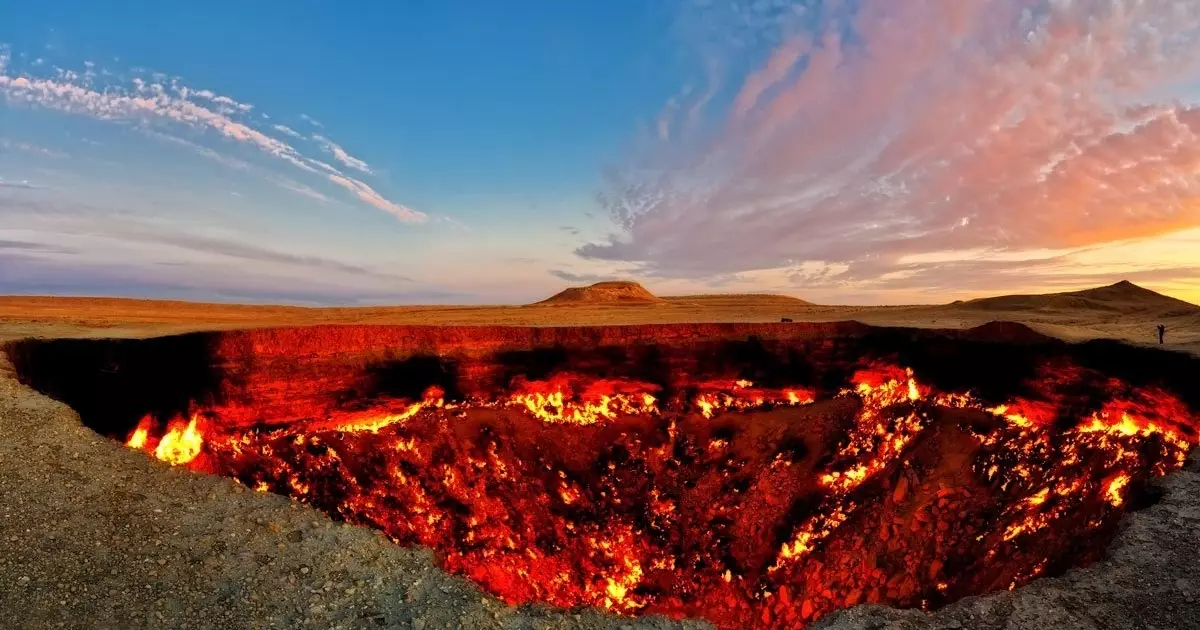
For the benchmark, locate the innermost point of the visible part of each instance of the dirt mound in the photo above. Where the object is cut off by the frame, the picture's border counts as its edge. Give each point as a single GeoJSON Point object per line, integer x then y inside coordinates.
{"type": "Point", "coordinates": [1122, 297]}
{"type": "Point", "coordinates": [1010, 332]}
{"type": "Point", "coordinates": [618, 292]}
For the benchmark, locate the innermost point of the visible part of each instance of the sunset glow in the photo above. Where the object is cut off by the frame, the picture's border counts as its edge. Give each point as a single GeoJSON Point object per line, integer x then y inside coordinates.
{"type": "Point", "coordinates": [843, 152]}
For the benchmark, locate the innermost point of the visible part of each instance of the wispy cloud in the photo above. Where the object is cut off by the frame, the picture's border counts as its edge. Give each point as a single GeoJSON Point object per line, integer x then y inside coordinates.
{"type": "Point", "coordinates": [287, 130]}
{"type": "Point", "coordinates": [23, 184]}
{"type": "Point", "coordinates": [253, 253]}
{"type": "Point", "coordinates": [33, 275]}
{"type": "Point", "coordinates": [26, 246]}
{"type": "Point", "coordinates": [241, 165]}
{"type": "Point", "coordinates": [310, 120]}
{"type": "Point", "coordinates": [582, 278]}
{"type": "Point", "coordinates": [165, 243]}
{"type": "Point", "coordinates": [340, 154]}
{"type": "Point", "coordinates": [175, 104]}
{"type": "Point", "coordinates": [16, 145]}
{"type": "Point", "coordinates": [894, 128]}
{"type": "Point", "coordinates": [367, 194]}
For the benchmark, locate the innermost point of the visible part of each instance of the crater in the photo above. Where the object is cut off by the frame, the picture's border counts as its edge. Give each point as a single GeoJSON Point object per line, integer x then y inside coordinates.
{"type": "Point", "coordinates": [750, 475]}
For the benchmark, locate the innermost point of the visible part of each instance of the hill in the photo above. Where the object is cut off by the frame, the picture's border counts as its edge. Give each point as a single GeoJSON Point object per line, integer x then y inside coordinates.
{"type": "Point", "coordinates": [1122, 297]}
{"type": "Point", "coordinates": [612, 292]}
{"type": "Point", "coordinates": [739, 300]}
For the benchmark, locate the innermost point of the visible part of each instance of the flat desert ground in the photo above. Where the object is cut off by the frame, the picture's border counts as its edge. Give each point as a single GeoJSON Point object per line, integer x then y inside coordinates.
{"type": "Point", "coordinates": [1121, 311]}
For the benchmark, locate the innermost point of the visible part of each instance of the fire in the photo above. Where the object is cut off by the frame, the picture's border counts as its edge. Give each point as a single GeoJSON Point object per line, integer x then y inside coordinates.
{"type": "Point", "coordinates": [137, 440]}
{"type": "Point", "coordinates": [741, 395]}
{"type": "Point", "coordinates": [625, 496]}
{"type": "Point", "coordinates": [562, 401]}
{"type": "Point", "coordinates": [1113, 491]}
{"type": "Point", "coordinates": [180, 444]}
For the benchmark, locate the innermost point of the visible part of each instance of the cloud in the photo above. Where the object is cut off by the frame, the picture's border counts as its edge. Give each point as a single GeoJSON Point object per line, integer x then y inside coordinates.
{"type": "Point", "coordinates": [288, 130]}
{"type": "Point", "coordinates": [23, 185]}
{"type": "Point", "coordinates": [367, 194]}
{"type": "Point", "coordinates": [340, 154]}
{"type": "Point", "coordinates": [17, 145]}
{"type": "Point", "coordinates": [253, 253]}
{"type": "Point", "coordinates": [128, 238]}
{"type": "Point", "coordinates": [285, 183]}
{"type": "Point", "coordinates": [26, 246]}
{"type": "Point", "coordinates": [907, 127]}
{"type": "Point", "coordinates": [153, 102]}
{"type": "Point", "coordinates": [581, 278]}
{"type": "Point", "coordinates": [453, 223]}
{"type": "Point", "coordinates": [310, 120]}
{"type": "Point", "coordinates": [23, 275]}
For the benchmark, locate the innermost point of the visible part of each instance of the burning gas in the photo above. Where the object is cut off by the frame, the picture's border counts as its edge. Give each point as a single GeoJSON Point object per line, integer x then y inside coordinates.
{"type": "Point", "coordinates": [744, 505]}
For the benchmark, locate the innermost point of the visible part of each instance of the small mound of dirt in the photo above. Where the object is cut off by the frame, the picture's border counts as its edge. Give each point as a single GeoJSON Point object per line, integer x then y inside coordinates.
{"type": "Point", "coordinates": [622, 292]}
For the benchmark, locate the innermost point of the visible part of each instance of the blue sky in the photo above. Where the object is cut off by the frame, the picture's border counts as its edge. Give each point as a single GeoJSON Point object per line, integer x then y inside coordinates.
{"type": "Point", "coordinates": [485, 152]}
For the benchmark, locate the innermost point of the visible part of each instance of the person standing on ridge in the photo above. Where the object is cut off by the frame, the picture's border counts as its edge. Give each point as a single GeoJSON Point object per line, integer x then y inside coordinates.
{"type": "Point", "coordinates": [1162, 331]}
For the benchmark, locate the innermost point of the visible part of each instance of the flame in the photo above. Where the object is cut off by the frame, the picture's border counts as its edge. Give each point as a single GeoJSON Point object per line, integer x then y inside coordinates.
{"type": "Point", "coordinates": [565, 400]}
{"type": "Point", "coordinates": [578, 491]}
{"type": "Point", "coordinates": [181, 443]}
{"type": "Point", "coordinates": [141, 435]}
{"type": "Point", "coordinates": [1113, 491]}
{"type": "Point", "coordinates": [741, 395]}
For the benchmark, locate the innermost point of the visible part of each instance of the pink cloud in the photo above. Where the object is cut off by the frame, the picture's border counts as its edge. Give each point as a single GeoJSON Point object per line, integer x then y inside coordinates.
{"type": "Point", "coordinates": [340, 154]}
{"type": "Point", "coordinates": [929, 125]}
{"type": "Point", "coordinates": [287, 130]}
{"type": "Point", "coordinates": [367, 194]}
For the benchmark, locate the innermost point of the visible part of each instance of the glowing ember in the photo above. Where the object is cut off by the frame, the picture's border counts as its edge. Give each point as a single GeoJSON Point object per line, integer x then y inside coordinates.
{"type": "Point", "coordinates": [139, 437]}
{"type": "Point", "coordinates": [742, 504]}
{"type": "Point", "coordinates": [181, 443]}
{"type": "Point", "coordinates": [1113, 491]}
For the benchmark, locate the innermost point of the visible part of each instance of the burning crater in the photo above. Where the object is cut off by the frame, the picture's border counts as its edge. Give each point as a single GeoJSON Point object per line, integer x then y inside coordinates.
{"type": "Point", "coordinates": [751, 475]}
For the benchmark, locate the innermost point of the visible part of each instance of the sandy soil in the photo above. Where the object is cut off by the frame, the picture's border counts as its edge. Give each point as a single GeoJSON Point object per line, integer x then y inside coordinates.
{"type": "Point", "coordinates": [93, 535]}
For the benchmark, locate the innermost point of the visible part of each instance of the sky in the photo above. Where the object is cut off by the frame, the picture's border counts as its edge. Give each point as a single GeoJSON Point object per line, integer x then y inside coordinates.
{"type": "Point", "coordinates": [841, 151]}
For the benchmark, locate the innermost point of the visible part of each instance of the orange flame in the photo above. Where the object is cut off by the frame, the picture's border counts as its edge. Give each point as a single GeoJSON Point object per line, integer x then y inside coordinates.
{"type": "Point", "coordinates": [640, 515]}
{"type": "Point", "coordinates": [181, 443]}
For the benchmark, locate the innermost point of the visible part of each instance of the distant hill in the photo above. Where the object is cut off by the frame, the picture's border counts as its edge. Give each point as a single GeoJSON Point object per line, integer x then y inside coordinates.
{"type": "Point", "coordinates": [612, 292]}
{"type": "Point", "coordinates": [738, 300]}
{"type": "Point", "coordinates": [1122, 297]}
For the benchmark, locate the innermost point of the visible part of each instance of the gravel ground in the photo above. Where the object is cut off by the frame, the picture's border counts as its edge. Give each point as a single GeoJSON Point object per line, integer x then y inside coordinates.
{"type": "Point", "coordinates": [93, 535]}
